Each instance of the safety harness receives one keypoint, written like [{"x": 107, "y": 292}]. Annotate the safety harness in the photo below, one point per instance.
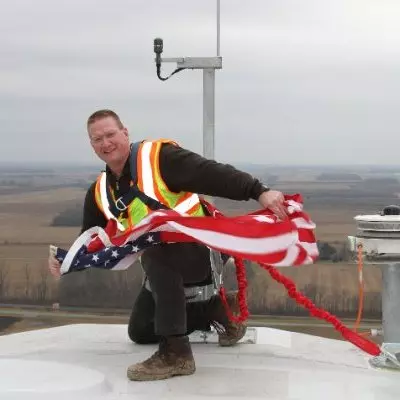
[
  {"x": 118, "y": 206},
  {"x": 122, "y": 203}
]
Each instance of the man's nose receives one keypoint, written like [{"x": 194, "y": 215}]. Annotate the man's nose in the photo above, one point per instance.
[{"x": 106, "y": 142}]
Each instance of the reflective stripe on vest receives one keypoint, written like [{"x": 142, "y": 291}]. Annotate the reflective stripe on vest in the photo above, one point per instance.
[
  {"x": 188, "y": 204},
  {"x": 147, "y": 170},
  {"x": 155, "y": 187},
  {"x": 104, "y": 201}
]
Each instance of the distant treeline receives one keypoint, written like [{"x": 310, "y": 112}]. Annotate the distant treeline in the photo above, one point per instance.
[
  {"x": 335, "y": 253},
  {"x": 21, "y": 169},
  {"x": 351, "y": 177},
  {"x": 338, "y": 176},
  {"x": 69, "y": 217},
  {"x": 118, "y": 289},
  {"x": 8, "y": 187}
]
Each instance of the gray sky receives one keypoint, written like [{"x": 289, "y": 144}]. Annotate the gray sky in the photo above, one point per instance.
[{"x": 303, "y": 81}]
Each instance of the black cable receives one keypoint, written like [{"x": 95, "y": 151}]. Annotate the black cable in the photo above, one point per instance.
[{"x": 164, "y": 79}]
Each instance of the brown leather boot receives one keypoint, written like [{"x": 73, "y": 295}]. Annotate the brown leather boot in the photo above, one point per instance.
[
  {"x": 174, "y": 357},
  {"x": 229, "y": 333}
]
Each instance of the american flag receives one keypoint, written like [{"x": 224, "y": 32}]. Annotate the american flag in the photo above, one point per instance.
[{"x": 258, "y": 236}]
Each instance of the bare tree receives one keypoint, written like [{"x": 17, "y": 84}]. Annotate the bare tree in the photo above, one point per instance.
[
  {"x": 42, "y": 286},
  {"x": 4, "y": 271},
  {"x": 28, "y": 275}
]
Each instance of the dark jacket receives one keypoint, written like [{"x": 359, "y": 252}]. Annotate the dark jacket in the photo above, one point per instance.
[{"x": 181, "y": 170}]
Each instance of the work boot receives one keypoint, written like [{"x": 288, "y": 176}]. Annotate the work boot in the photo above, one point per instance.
[
  {"x": 229, "y": 333},
  {"x": 174, "y": 357}
]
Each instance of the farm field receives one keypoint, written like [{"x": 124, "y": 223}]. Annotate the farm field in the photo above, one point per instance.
[{"x": 26, "y": 220}]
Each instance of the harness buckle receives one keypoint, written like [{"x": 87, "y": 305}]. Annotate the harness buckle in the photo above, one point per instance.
[{"x": 120, "y": 205}]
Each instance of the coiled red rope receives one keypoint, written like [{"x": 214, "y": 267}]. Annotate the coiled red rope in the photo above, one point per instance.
[
  {"x": 353, "y": 337},
  {"x": 242, "y": 286}
]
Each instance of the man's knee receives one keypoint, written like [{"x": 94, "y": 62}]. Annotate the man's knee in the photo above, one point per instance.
[
  {"x": 141, "y": 320},
  {"x": 142, "y": 336},
  {"x": 141, "y": 331}
]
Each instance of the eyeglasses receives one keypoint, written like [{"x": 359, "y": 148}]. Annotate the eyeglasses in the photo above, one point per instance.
[{"x": 96, "y": 140}]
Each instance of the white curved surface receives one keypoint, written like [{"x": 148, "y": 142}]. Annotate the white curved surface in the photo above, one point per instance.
[
  {"x": 22, "y": 379},
  {"x": 279, "y": 366},
  {"x": 377, "y": 218}
]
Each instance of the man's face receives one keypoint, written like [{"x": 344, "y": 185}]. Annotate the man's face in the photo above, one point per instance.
[{"x": 109, "y": 141}]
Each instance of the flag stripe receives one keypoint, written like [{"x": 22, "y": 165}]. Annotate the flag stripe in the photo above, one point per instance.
[{"x": 259, "y": 236}]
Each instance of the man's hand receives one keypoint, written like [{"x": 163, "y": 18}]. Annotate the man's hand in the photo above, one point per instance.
[
  {"x": 54, "y": 267},
  {"x": 273, "y": 200}
]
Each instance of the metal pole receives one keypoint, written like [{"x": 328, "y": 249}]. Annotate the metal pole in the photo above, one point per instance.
[
  {"x": 218, "y": 26},
  {"x": 391, "y": 302},
  {"x": 209, "y": 133},
  {"x": 208, "y": 125},
  {"x": 208, "y": 112},
  {"x": 208, "y": 65}
]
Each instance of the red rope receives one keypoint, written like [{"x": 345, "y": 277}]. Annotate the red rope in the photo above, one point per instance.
[
  {"x": 353, "y": 337},
  {"x": 242, "y": 286}
]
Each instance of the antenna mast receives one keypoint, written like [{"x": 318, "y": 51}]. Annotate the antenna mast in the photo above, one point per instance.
[
  {"x": 218, "y": 27},
  {"x": 208, "y": 65}
]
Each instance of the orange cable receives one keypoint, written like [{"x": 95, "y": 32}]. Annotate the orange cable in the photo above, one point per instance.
[{"x": 360, "y": 290}]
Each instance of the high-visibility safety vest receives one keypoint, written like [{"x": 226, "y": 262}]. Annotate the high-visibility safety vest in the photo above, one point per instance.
[{"x": 150, "y": 182}]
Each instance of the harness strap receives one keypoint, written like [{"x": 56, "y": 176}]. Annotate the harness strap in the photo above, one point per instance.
[{"x": 122, "y": 203}]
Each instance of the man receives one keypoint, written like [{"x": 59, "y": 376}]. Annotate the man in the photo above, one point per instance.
[{"x": 171, "y": 177}]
